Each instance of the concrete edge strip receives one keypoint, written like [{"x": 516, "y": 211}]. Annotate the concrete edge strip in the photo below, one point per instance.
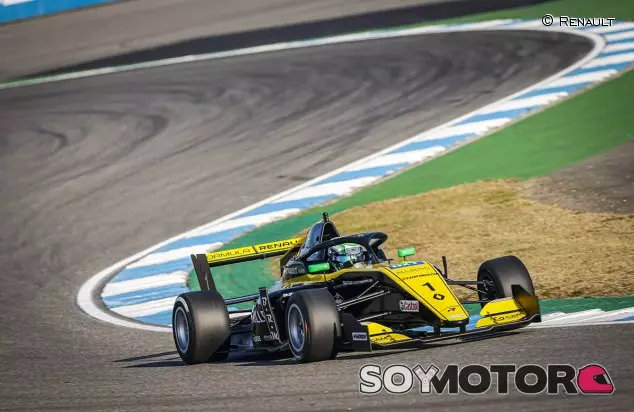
[{"x": 87, "y": 299}]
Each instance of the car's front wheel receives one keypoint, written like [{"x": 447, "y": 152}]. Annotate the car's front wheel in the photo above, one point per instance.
[
  {"x": 313, "y": 325},
  {"x": 500, "y": 275}
]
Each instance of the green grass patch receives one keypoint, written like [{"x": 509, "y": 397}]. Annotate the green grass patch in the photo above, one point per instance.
[
  {"x": 587, "y": 303},
  {"x": 571, "y": 305}
]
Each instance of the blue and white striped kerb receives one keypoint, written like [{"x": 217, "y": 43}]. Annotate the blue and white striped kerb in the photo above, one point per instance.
[
  {"x": 559, "y": 319},
  {"x": 145, "y": 290}
]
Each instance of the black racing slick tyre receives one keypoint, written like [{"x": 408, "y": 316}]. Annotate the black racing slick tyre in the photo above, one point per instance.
[
  {"x": 200, "y": 325},
  {"x": 501, "y": 274},
  {"x": 313, "y": 325}
]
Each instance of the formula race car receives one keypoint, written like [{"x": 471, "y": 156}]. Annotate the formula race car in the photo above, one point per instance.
[{"x": 341, "y": 293}]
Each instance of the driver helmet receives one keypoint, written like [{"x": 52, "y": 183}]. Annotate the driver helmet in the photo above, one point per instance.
[{"x": 346, "y": 255}]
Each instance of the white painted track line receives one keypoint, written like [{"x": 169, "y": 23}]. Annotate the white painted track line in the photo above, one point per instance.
[
  {"x": 619, "y": 47},
  {"x": 146, "y": 308},
  {"x": 162, "y": 257},
  {"x": 329, "y": 189},
  {"x": 473, "y": 127},
  {"x": 610, "y": 29},
  {"x": 616, "y": 59},
  {"x": 154, "y": 307},
  {"x": 611, "y": 315},
  {"x": 255, "y": 220},
  {"x": 621, "y": 36},
  {"x": 481, "y": 24},
  {"x": 581, "y": 78},
  {"x": 155, "y": 281},
  {"x": 575, "y": 316},
  {"x": 413, "y": 156},
  {"x": 530, "y": 24},
  {"x": 552, "y": 315},
  {"x": 541, "y": 100}
]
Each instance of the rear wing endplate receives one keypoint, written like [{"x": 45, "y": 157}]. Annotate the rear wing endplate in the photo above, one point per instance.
[{"x": 204, "y": 262}]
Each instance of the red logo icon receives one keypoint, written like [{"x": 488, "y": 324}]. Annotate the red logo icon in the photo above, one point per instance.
[{"x": 594, "y": 379}]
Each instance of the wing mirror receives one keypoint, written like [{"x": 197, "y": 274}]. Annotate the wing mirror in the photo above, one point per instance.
[
  {"x": 319, "y": 267},
  {"x": 403, "y": 253}
]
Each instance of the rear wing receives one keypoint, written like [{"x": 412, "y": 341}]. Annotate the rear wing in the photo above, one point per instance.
[{"x": 204, "y": 262}]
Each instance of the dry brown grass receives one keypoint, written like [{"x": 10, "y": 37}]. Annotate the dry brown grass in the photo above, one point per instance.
[{"x": 568, "y": 253}]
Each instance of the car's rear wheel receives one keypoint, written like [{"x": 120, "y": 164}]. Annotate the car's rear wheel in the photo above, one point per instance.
[
  {"x": 500, "y": 275},
  {"x": 200, "y": 325},
  {"x": 313, "y": 325}
]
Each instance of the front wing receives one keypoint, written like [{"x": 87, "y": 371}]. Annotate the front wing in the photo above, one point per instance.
[
  {"x": 379, "y": 340},
  {"x": 498, "y": 316}
]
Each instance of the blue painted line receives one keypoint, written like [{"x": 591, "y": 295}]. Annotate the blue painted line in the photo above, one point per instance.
[
  {"x": 629, "y": 30},
  {"x": 426, "y": 144},
  {"x": 145, "y": 295},
  {"x": 617, "y": 52},
  {"x": 502, "y": 114},
  {"x": 42, "y": 7},
  {"x": 548, "y": 90},
  {"x": 508, "y": 23},
  {"x": 144, "y": 271},
  {"x": 617, "y": 67},
  {"x": 614, "y": 24},
  {"x": 627, "y": 318},
  {"x": 513, "y": 21},
  {"x": 291, "y": 204},
  {"x": 369, "y": 172},
  {"x": 162, "y": 318},
  {"x": 223, "y": 237},
  {"x": 619, "y": 41}
]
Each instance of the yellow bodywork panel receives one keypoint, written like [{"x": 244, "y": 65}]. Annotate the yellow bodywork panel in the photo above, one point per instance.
[
  {"x": 500, "y": 312},
  {"x": 382, "y": 334},
  {"x": 254, "y": 251},
  {"x": 419, "y": 279},
  {"x": 424, "y": 283}
]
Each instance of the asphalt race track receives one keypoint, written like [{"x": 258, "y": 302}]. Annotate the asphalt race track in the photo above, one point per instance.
[
  {"x": 96, "y": 169},
  {"x": 142, "y": 28}
]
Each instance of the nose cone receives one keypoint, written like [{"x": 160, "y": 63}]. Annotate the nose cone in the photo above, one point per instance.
[{"x": 594, "y": 379}]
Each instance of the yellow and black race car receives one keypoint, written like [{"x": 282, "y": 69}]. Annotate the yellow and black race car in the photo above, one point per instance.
[{"x": 341, "y": 293}]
